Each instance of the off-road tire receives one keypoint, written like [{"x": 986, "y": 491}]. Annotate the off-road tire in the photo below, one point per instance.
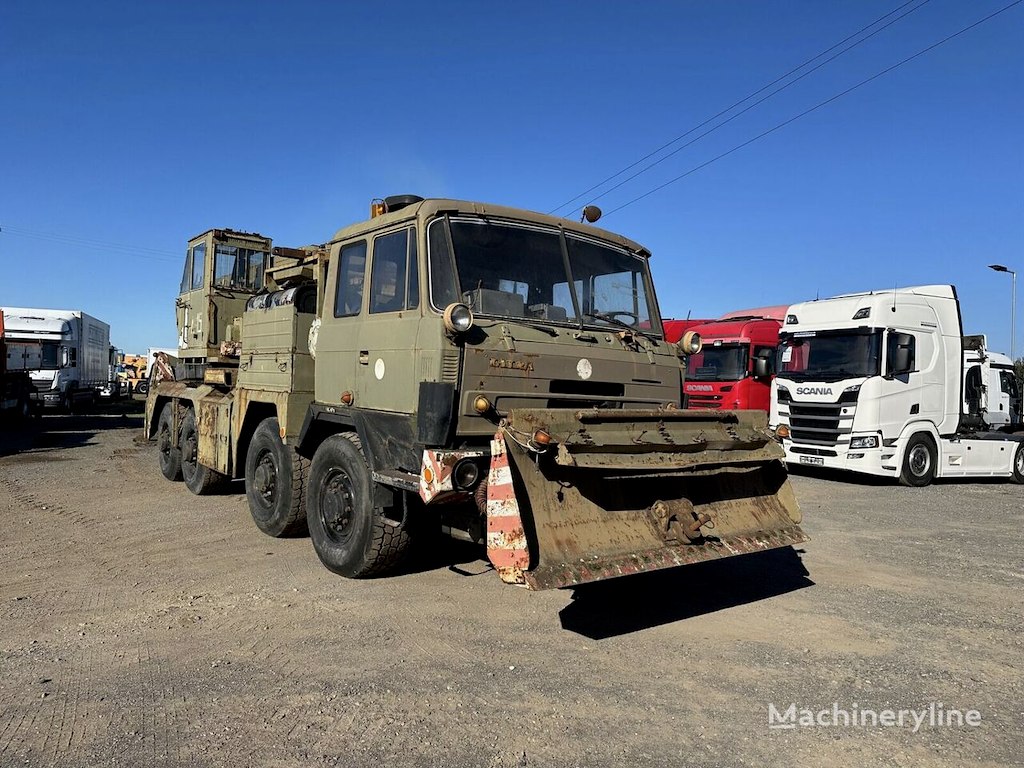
[
  {"x": 351, "y": 536},
  {"x": 142, "y": 388},
  {"x": 919, "y": 461},
  {"x": 275, "y": 482},
  {"x": 199, "y": 479},
  {"x": 168, "y": 457},
  {"x": 1018, "y": 464}
]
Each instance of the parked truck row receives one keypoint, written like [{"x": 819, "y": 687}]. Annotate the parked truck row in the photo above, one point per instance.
[{"x": 883, "y": 383}]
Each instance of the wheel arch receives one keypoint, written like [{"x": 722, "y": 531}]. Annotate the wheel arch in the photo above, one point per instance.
[
  {"x": 255, "y": 413},
  {"x": 917, "y": 428}
]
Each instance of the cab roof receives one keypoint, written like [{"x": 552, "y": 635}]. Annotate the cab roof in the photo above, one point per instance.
[{"x": 430, "y": 208}]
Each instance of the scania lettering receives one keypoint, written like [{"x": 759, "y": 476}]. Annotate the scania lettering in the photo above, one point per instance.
[{"x": 885, "y": 383}]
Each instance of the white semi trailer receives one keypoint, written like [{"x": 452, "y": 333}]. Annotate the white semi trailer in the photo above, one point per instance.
[
  {"x": 877, "y": 383},
  {"x": 66, "y": 352}
]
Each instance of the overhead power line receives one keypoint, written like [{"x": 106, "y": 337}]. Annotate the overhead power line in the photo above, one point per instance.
[
  {"x": 748, "y": 98},
  {"x": 817, "y": 106},
  {"x": 139, "y": 251},
  {"x": 749, "y": 107}
]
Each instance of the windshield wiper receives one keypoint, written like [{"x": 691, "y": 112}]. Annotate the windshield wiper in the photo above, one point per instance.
[
  {"x": 610, "y": 318},
  {"x": 528, "y": 323}
]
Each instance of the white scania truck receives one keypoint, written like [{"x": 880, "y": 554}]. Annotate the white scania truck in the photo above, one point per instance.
[
  {"x": 878, "y": 383},
  {"x": 66, "y": 352}
]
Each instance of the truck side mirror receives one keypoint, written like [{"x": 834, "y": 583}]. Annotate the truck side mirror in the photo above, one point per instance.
[
  {"x": 901, "y": 354},
  {"x": 762, "y": 369},
  {"x": 65, "y": 358}
]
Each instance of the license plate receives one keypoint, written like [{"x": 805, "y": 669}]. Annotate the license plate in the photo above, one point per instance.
[{"x": 816, "y": 460}]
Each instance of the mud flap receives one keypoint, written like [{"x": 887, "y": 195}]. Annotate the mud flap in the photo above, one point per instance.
[{"x": 620, "y": 506}]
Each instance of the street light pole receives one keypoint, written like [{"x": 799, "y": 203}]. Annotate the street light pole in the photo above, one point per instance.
[{"x": 1013, "y": 307}]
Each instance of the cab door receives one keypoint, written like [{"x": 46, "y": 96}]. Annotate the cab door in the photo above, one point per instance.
[
  {"x": 337, "y": 343},
  {"x": 386, "y": 362}
]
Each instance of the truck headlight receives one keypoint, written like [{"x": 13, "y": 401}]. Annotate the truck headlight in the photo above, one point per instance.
[
  {"x": 458, "y": 318},
  {"x": 864, "y": 442},
  {"x": 691, "y": 343}
]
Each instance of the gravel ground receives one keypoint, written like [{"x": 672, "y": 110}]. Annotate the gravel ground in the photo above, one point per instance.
[{"x": 144, "y": 626}]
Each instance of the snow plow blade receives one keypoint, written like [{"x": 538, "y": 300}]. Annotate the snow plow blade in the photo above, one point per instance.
[{"x": 597, "y": 494}]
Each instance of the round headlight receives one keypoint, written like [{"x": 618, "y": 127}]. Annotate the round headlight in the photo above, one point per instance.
[
  {"x": 458, "y": 318},
  {"x": 691, "y": 343}
]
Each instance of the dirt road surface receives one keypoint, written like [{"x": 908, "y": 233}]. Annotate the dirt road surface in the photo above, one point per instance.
[{"x": 144, "y": 626}]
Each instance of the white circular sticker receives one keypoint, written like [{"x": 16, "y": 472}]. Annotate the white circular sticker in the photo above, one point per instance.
[
  {"x": 584, "y": 369},
  {"x": 378, "y": 369}
]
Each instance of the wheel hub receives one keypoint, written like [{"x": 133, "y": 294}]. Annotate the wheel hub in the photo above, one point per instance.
[
  {"x": 919, "y": 460},
  {"x": 336, "y": 505},
  {"x": 265, "y": 477}
]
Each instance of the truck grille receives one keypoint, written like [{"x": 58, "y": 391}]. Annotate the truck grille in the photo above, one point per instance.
[
  {"x": 42, "y": 386},
  {"x": 820, "y": 423},
  {"x": 704, "y": 401}
]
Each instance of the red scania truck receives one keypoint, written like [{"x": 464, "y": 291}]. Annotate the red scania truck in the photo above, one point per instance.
[{"x": 735, "y": 367}]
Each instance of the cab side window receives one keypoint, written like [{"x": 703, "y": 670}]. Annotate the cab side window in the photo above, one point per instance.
[
  {"x": 348, "y": 298},
  {"x": 394, "y": 280}
]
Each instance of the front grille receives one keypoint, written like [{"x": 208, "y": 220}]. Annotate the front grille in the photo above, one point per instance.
[
  {"x": 813, "y": 451},
  {"x": 816, "y": 422},
  {"x": 704, "y": 401},
  {"x": 42, "y": 385}
]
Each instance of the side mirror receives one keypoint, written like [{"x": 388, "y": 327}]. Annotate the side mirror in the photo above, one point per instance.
[
  {"x": 761, "y": 368},
  {"x": 65, "y": 358},
  {"x": 901, "y": 354}
]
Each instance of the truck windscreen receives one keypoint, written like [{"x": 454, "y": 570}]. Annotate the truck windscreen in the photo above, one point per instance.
[
  {"x": 726, "y": 362},
  {"x": 830, "y": 355},
  {"x": 511, "y": 270},
  {"x": 238, "y": 268}
]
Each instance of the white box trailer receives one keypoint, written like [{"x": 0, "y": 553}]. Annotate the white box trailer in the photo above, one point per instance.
[
  {"x": 65, "y": 351},
  {"x": 876, "y": 383}
]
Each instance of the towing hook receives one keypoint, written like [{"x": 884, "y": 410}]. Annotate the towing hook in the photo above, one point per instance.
[{"x": 678, "y": 522}]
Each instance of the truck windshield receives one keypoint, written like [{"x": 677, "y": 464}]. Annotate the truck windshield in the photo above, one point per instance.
[
  {"x": 830, "y": 355},
  {"x": 513, "y": 270},
  {"x": 49, "y": 355},
  {"x": 725, "y": 362},
  {"x": 239, "y": 269}
]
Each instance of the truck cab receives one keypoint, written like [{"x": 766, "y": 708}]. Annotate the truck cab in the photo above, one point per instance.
[
  {"x": 875, "y": 383},
  {"x": 735, "y": 367}
]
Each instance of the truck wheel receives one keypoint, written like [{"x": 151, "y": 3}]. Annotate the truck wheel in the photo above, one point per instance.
[
  {"x": 350, "y": 535},
  {"x": 275, "y": 482},
  {"x": 918, "y": 462},
  {"x": 198, "y": 478},
  {"x": 1018, "y": 464},
  {"x": 168, "y": 456}
]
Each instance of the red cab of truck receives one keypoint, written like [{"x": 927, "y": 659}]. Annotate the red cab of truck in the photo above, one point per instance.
[
  {"x": 674, "y": 329},
  {"x": 726, "y": 374}
]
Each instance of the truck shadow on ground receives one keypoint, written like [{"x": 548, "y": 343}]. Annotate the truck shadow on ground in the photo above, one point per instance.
[
  {"x": 621, "y": 606},
  {"x": 34, "y": 437}
]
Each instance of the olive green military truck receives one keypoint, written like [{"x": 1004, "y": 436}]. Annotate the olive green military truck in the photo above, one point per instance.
[{"x": 496, "y": 374}]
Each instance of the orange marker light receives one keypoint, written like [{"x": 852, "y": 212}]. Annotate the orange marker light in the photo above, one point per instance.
[{"x": 540, "y": 437}]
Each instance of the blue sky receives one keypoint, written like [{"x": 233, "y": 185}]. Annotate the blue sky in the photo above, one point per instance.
[{"x": 128, "y": 127}]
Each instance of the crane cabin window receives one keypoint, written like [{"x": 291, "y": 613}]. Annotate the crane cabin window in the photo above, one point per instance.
[{"x": 239, "y": 269}]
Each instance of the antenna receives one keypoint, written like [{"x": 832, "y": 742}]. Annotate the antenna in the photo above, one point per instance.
[
  {"x": 688, "y": 313},
  {"x": 894, "y": 296}
]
